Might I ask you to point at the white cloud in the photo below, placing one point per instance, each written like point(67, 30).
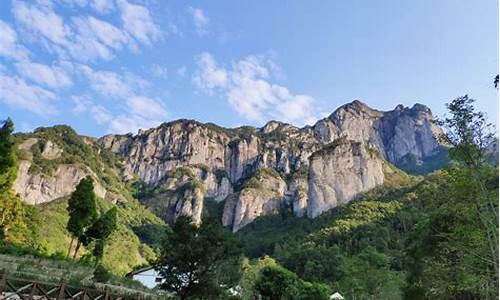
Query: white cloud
point(80, 3)
point(86, 38)
point(208, 76)
point(107, 83)
point(15, 92)
point(145, 107)
point(102, 31)
point(103, 6)
point(9, 45)
point(50, 76)
point(130, 124)
point(138, 22)
point(248, 88)
point(159, 71)
point(100, 114)
point(296, 109)
point(200, 20)
point(42, 20)
point(81, 104)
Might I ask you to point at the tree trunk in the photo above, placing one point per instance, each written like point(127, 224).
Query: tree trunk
point(77, 248)
point(70, 246)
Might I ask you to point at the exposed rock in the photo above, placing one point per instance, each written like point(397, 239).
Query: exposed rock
point(40, 188)
point(264, 194)
point(314, 175)
point(340, 172)
point(181, 195)
point(395, 133)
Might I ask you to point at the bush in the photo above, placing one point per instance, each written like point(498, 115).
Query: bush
point(101, 274)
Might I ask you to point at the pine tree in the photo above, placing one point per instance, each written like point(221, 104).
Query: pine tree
point(82, 212)
point(11, 208)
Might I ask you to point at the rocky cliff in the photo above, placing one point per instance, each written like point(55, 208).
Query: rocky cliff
point(255, 171)
point(310, 178)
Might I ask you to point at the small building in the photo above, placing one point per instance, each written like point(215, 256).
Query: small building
point(336, 296)
point(147, 276)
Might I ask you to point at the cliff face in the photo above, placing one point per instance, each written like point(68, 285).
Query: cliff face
point(234, 157)
point(256, 171)
point(341, 171)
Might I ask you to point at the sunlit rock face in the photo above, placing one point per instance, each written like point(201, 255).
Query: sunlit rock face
point(308, 170)
point(340, 172)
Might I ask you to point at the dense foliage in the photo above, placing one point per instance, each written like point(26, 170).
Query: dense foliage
point(198, 261)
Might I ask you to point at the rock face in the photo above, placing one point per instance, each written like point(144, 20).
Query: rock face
point(256, 171)
point(396, 134)
point(332, 173)
point(340, 172)
point(41, 188)
point(263, 194)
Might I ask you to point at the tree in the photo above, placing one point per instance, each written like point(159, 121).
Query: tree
point(470, 135)
point(99, 232)
point(277, 283)
point(82, 212)
point(12, 209)
point(199, 261)
point(8, 162)
point(367, 275)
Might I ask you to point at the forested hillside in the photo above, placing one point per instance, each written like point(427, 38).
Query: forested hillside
point(431, 236)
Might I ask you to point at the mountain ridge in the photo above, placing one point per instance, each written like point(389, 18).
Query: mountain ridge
point(251, 171)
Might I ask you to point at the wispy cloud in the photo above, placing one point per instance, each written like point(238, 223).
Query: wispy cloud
point(200, 20)
point(208, 75)
point(138, 22)
point(103, 6)
point(50, 76)
point(87, 38)
point(102, 31)
point(19, 94)
point(159, 71)
point(248, 88)
point(107, 83)
point(9, 44)
point(42, 20)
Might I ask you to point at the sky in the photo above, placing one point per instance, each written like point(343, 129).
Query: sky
point(114, 66)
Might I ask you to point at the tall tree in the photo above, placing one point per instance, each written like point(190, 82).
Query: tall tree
point(8, 160)
point(100, 230)
point(470, 136)
point(11, 207)
point(82, 212)
point(197, 261)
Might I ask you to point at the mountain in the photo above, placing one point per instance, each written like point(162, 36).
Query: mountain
point(187, 167)
point(52, 161)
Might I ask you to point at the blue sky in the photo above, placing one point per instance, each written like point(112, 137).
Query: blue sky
point(106, 66)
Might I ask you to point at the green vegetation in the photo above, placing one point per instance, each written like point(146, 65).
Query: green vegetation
point(82, 212)
point(74, 150)
point(43, 228)
point(197, 261)
point(17, 220)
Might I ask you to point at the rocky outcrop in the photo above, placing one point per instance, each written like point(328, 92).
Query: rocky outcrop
point(396, 133)
point(41, 188)
point(341, 171)
point(262, 194)
point(308, 170)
